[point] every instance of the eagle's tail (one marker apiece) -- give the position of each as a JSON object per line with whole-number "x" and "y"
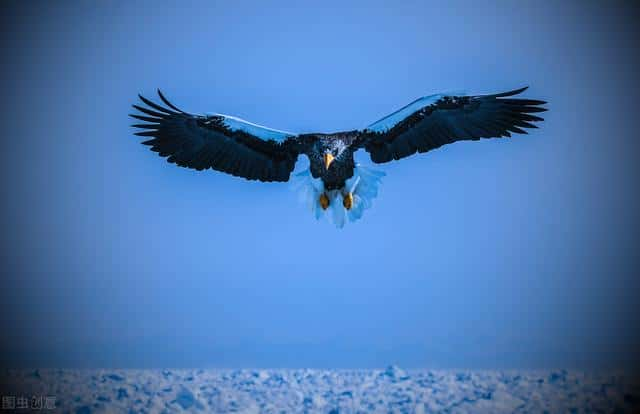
{"x": 309, "y": 190}
{"x": 363, "y": 186}
{"x": 365, "y": 182}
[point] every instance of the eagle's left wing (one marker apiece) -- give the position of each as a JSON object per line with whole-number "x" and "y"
{"x": 432, "y": 121}
{"x": 220, "y": 142}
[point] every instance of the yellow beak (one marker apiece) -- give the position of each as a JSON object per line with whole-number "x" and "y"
{"x": 328, "y": 159}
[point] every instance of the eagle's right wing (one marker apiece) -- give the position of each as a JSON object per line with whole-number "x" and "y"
{"x": 220, "y": 142}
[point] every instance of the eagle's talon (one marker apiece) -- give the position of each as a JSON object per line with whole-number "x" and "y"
{"x": 347, "y": 201}
{"x": 324, "y": 201}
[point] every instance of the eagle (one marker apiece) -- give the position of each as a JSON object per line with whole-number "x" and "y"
{"x": 333, "y": 180}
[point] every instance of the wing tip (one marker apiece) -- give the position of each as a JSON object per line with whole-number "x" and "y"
{"x": 511, "y": 92}
{"x": 146, "y": 133}
{"x": 166, "y": 101}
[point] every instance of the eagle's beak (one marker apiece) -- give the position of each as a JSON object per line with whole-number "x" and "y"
{"x": 328, "y": 159}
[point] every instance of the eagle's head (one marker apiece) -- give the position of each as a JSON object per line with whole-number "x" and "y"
{"x": 330, "y": 149}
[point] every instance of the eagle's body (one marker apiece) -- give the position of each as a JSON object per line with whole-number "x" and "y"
{"x": 244, "y": 149}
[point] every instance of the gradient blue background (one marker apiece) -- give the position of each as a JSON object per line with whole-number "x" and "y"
{"x": 502, "y": 253}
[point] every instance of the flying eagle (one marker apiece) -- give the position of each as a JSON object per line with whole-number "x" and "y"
{"x": 244, "y": 149}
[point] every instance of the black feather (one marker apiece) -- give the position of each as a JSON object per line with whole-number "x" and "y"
{"x": 149, "y": 111}
{"x": 169, "y": 104}
{"x": 145, "y": 118}
{"x": 156, "y": 106}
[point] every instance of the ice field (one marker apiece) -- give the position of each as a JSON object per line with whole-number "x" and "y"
{"x": 322, "y": 391}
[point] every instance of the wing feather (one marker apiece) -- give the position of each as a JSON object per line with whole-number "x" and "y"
{"x": 433, "y": 121}
{"x": 219, "y": 142}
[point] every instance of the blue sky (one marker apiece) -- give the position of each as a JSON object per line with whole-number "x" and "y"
{"x": 500, "y": 253}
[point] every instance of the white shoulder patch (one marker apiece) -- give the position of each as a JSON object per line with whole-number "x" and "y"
{"x": 259, "y": 131}
{"x": 393, "y": 119}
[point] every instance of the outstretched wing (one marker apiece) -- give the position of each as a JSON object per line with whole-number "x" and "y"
{"x": 436, "y": 120}
{"x": 220, "y": 142}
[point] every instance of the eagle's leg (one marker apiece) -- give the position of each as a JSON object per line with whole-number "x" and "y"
{"x": 324, "y": 201}
{"x": 347, "y": 200}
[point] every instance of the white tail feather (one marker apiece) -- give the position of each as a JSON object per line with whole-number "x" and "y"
{"x": 363, "y": 185}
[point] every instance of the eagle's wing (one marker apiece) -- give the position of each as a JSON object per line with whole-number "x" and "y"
{"x": 432, "y": 121}
{"x": 220, "y": 142}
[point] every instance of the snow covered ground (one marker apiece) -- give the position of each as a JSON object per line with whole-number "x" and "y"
{"x": 321, "y": 391}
